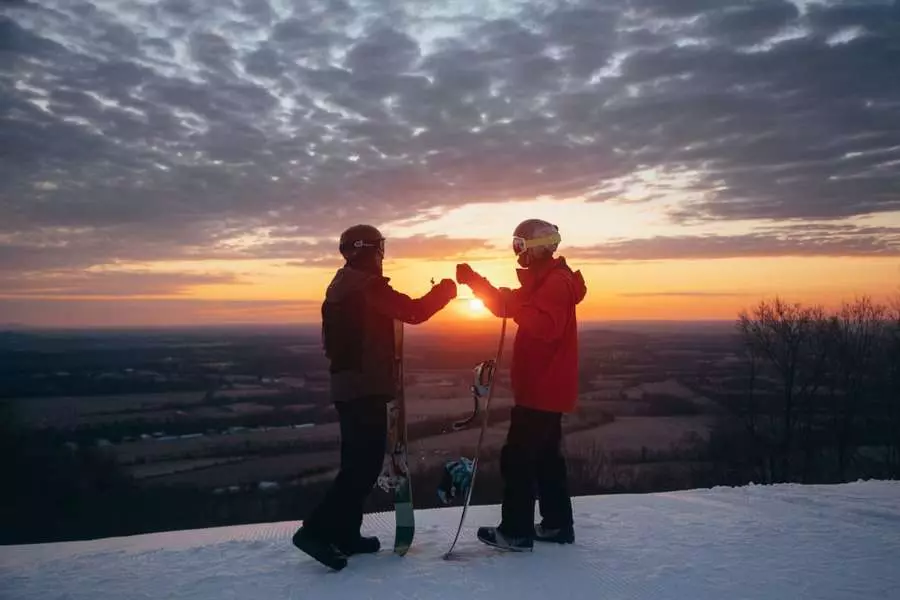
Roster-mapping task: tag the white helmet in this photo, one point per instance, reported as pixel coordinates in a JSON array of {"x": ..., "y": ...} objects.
[{"x": 535, "y": 239}]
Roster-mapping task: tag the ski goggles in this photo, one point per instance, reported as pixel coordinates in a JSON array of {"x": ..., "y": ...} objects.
[
  {"x": 520, "y": 244},
  {"x": 376, "y": 244}
]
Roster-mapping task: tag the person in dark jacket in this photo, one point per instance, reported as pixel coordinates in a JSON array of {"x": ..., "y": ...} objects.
[
  {"x": 544, "y": 379},
  {"x": 359, "y": 315}
]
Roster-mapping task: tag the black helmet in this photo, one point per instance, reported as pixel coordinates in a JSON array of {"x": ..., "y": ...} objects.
[
  {"x": 534, "y": 238},
  {"x": 357, "y": 238}
]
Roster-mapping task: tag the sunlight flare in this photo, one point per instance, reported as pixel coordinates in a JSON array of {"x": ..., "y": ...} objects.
[{"x": 476, "y": 307}]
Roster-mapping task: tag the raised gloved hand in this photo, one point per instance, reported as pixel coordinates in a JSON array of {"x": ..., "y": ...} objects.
[
  {"x": 465, "y": 275},
  {"x": 448, "y": 287}
]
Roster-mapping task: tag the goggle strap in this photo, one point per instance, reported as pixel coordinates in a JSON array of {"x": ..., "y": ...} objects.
[
  {"x": 363, "y": 244},
  {"x": 553, "y": 238}
]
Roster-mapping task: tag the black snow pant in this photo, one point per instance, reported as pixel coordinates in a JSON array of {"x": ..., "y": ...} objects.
[
  {"x": 338, "y": 516},
  {"x": 532, "y": 460}
]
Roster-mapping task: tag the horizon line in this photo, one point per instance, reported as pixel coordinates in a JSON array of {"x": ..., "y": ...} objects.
[{"x": 14, "y": 327}]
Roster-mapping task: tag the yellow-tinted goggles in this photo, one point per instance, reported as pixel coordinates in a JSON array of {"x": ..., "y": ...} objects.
[{"x": 520, "y": 244}]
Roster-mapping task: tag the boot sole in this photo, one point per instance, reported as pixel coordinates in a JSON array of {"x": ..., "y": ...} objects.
[
  {"x": 348, "y": 551},
  {"x": 554, "y": 541},
  {"x": 330, "y": 559},
  {"x": 359, "y": 552},
  {"x": 506, "y": 548}
]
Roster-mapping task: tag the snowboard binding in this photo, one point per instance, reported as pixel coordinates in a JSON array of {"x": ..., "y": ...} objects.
[{"x": 483, "y": 379}]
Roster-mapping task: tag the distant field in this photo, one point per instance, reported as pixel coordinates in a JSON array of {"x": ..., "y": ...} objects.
[
  {"x": 67, "y": 417},
  {"x": 68, "y": 411},
  {"x": 419, "y": 410},
  {"x": 459, "y": 443},
  {"x": 174, "y": 466},
  {"x": 669, "y": 387},
  {"x": 247, "y": 392},
  {"x": 629, "y": 433},
  {"x": 625, "y": 375},
  {"x": 155, "y": 450},
  {"x": 252, "y": 470}
]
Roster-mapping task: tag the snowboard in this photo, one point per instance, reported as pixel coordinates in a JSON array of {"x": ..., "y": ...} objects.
[
  {"x": 398, "y": 460},
  {"x": 484, "y": 371}
]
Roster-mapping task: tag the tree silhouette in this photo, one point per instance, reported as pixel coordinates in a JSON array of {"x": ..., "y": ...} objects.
[
  {"x": 836, "y": 380},
  {"x": 786, "y": 341}
]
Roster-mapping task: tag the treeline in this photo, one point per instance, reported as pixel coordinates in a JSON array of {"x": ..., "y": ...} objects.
[{"x": 822, "y": 395}]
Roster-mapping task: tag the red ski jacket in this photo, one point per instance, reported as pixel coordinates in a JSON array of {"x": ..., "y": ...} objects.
[{"x": 544, "y": 369}]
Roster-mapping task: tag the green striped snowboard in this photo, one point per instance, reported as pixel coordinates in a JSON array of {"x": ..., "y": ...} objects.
[{"x": 399, "y": 461}]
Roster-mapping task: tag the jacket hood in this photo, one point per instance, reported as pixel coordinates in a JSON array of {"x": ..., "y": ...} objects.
[
  {"x": 530, "y": 278},
  {"x": 348, "y": 280}
]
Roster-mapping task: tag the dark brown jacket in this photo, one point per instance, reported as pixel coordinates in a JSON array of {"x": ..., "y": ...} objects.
[{"x": 358, "y": 320}]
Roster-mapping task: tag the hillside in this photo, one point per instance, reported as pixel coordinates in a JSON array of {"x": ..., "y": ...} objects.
[{"x": 767, "y": 542}]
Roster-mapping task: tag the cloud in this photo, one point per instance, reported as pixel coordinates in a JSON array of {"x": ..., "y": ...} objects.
[
  {"x": 682, "y": 294},
  {"x": 799, "y": 240},
  {"x": 144, "y": 130},
  {"x": 53, "y": 250},
  {"x": 67, "y": 312},
  {"x": 433, "y": 247},
  {"x": 417, "y": 247},
  {"x": 109, "y": 283}
]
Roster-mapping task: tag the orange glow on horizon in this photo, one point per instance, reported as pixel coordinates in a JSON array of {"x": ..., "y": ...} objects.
[{"x": 271, "y": 292}]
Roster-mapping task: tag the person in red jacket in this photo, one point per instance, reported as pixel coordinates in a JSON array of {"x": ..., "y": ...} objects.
[
  {"x": 358, "y": 318},
  {"x": 544, "y": 378}
]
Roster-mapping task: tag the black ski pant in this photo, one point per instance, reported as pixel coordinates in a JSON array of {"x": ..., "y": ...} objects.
[
  {"x": 338, "y": 516},
  {"x": 532, "y": 461}
]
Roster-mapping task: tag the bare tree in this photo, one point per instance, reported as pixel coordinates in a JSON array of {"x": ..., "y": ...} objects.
[
  {"x": 754, "y": 445},
  {"x": 858, "y": 331},
  {"x": 788, "y": 339},
  {"x": 818, "y": 348},
  {"x": 892, "y": 386}
]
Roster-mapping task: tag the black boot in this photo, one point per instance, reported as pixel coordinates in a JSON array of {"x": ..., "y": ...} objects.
[
  {"x": 320, "y": 549},
  {"x": 562, "y": 535},
  {"x": 360, "y": 545},
  {"x": 492, "y": 536}
]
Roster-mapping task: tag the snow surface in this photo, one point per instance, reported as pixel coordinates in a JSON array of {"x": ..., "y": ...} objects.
[{"x": 767, "y": 542}]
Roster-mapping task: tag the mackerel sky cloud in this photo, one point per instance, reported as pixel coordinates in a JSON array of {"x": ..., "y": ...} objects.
[{"x": 139, "y": 131}]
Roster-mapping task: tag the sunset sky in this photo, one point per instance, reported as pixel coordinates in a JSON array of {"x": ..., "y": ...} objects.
[{"x": 191, "y": 161}]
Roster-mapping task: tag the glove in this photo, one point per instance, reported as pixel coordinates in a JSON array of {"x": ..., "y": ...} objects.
[
  {"x": 457, "y": 477},
  {"x": 464, "y": 274},
  {"x": 447, "y": 288}
]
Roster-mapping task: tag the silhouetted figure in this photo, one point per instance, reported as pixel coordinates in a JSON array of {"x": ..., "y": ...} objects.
[
  {"x": 358, "y": 336},
  {"x": 544, "y": 377}
]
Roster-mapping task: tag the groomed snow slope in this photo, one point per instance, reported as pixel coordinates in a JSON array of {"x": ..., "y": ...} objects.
[{"x": 766, "y": 542}]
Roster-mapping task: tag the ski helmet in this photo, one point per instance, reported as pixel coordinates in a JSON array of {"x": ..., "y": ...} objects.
[
  {"x": 357, "y": 239},
  {"x": 535, "y": 239}
]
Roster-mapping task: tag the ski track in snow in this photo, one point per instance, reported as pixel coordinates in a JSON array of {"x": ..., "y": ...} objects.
[{"x": 766, "y": 542}]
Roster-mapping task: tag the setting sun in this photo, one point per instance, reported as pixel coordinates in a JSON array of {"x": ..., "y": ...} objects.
[{"x": 477, "y": 307}]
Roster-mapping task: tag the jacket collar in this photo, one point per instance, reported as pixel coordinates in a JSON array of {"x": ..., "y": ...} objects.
[{"x": 530, "y": 278}]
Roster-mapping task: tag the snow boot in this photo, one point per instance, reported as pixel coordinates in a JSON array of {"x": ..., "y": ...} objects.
[
  {"x": 320, "y": 549},
  {"x": 492, "y": 536},
  {"x": 562, "y": 535},
  {"x": 360, "y": 545}
]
